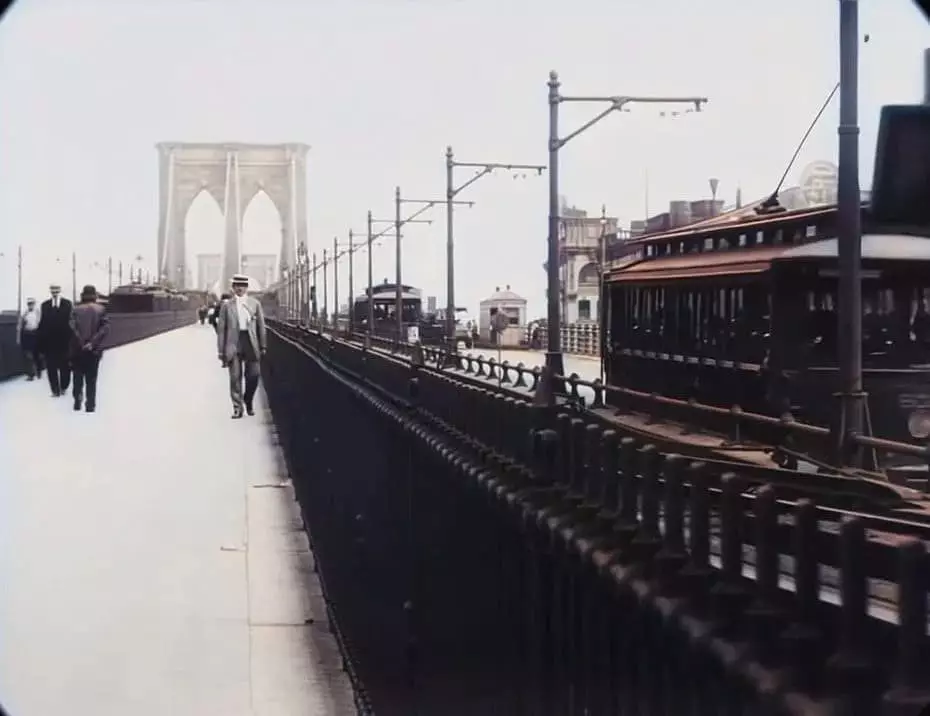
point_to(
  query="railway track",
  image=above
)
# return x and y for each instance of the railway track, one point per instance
(753, 461)
(882, 529)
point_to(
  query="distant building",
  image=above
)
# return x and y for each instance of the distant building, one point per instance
(817, 186)
(431, 304)
(580, 238)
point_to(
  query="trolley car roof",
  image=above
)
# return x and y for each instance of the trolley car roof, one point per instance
(743, 261)
(389, 296)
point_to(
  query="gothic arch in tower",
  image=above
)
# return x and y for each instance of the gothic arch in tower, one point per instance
(232, 174)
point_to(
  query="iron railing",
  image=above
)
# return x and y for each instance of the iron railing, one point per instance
(483, 554)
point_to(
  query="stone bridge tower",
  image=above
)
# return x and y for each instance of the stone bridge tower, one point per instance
(232, 174)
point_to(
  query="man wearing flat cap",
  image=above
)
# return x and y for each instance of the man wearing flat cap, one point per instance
(241, 342)
(54, 335)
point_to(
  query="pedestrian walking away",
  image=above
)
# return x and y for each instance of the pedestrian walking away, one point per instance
(214, 316)
(27, 338)
(54, 336)
(241, 343)
(89, 326)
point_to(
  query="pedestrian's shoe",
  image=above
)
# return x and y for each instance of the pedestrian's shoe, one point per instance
(77, 403)
(56, 393)
(91, 408)
(237, 413)
(249, 409)
(31, 377)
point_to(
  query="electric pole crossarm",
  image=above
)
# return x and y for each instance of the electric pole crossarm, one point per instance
(488, 168)
(617, 104)
(434, 202)
(412, 219)
(484, 172)
(491, 166)
(384, 232)
(696, 101)
(559, 143)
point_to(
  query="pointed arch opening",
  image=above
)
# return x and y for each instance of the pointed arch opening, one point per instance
(262, 236)
(203, 239)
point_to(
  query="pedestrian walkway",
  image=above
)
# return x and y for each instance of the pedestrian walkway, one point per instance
(151, 555)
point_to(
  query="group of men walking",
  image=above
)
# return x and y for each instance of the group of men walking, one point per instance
(65, 340)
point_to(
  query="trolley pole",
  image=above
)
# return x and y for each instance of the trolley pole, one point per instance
(371, 282)
(19, 280)
(484, 168)
(849, 238)
(340, 251)
(426, 204)
(554, 359)
(325, 290)
(602, 294)
(371, 307)
(313, 297)
(335, 260)
(927, 76)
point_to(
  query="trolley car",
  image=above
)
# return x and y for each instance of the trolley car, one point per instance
(384, 309)
(743, 312)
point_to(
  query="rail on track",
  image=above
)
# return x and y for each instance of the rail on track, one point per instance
(790, 440)
(520, 558)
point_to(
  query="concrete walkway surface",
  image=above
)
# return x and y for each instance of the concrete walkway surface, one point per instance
(152, 559)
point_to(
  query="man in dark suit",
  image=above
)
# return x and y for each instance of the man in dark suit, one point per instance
(89, 326)
(55, 339)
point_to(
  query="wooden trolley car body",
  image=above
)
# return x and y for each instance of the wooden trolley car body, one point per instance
(744, 313)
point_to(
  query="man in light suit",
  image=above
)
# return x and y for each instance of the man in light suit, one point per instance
(241, 342)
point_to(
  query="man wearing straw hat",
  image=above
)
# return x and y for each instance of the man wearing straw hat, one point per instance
(241, 342)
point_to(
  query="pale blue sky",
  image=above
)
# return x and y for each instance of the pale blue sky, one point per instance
(380, 87)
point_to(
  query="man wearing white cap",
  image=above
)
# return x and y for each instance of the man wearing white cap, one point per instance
(54, 336)
(28, 339)
(241, 342)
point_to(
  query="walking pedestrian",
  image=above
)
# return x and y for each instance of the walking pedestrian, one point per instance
(241, 342)
(28, 340)
(54, 336)
(215, 311)
(89, 326)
